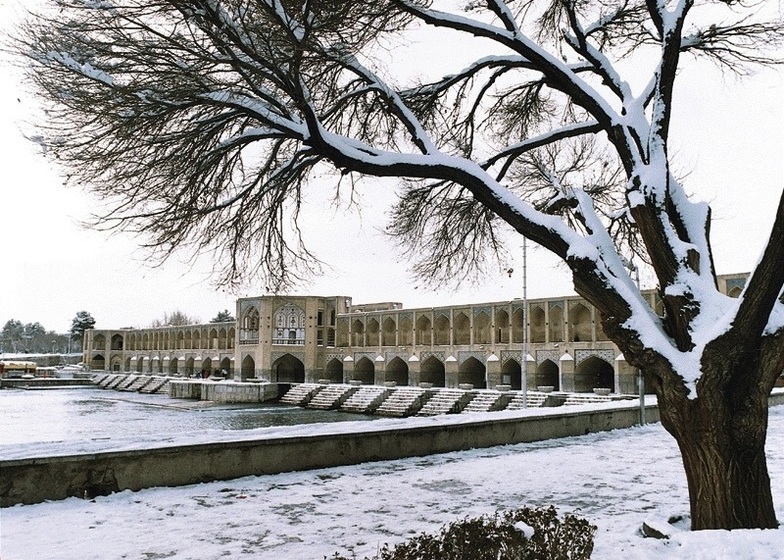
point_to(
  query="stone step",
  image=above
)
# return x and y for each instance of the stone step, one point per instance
(127, 382)
(114, 383)
(534, 399)
(100, 377)
(104, 382)
(301, 394)
(140, 382)
(404, 402)
(331, 397)
(488, 401)
(446, 401)
(365, 399)
(156, 385)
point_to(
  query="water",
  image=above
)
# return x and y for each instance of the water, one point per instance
(61, 415)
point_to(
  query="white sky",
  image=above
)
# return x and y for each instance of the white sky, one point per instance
(728, 136)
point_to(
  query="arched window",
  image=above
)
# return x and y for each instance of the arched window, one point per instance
(289, 325)
(249, 331)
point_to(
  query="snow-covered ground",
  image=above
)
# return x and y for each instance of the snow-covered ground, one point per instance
(616, 479)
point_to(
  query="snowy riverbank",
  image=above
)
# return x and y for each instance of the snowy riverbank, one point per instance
(616, 479)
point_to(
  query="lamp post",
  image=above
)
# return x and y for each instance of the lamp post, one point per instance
(640, 379)
(524, 363)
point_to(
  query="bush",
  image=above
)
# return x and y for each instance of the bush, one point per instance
(521, 534)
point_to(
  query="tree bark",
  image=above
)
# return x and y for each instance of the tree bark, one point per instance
(721, 436)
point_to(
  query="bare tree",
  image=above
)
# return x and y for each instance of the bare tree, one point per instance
(176, 318)
(200, 122)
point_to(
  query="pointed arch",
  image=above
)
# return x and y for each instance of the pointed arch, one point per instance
(424, 331)
(441, 330)
(357, 333)
(226, 369)
(580, 324)
(404, 334)
(288, 369)
(389, 332)
(593, 372)
(365, 371)
(502, 327)
(397, 371)
(517, 325)
(248, 368)
(538, 324)
(482, 334)
(547, 375)
(117, 342)
(432, 371)
(556, 322)
(334, 371)
(98, 362)
(511, 374)
(472, 371)
(462, 329)
(372, 332)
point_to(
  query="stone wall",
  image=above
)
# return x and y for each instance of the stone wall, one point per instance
(33, 480)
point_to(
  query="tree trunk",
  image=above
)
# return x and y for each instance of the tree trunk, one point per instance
(721, 435)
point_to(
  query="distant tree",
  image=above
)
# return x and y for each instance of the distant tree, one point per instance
(35, 337)
(201, 122)
(174, 319)
(12, 330)
(224, 316)
(82, 322)
(11, 335)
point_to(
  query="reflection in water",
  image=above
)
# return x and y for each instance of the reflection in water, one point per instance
(92, 413)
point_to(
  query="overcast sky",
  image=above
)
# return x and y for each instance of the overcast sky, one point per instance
(728, 137)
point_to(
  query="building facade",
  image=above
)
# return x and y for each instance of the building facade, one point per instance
(294, 339)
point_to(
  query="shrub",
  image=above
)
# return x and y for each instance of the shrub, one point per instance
(521, 534)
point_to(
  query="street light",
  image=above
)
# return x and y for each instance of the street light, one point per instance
(640, 379)
(524, 365)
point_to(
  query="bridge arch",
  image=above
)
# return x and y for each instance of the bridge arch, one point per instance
(247, 368)
(547, 375)
(512, 374)
(288, 369)
(397, 371)
(593, 372)
(98, 362)
(472, 371)
(334, 371)
(365, 371)
(173, 364)
(432, 371)
(225, 365)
